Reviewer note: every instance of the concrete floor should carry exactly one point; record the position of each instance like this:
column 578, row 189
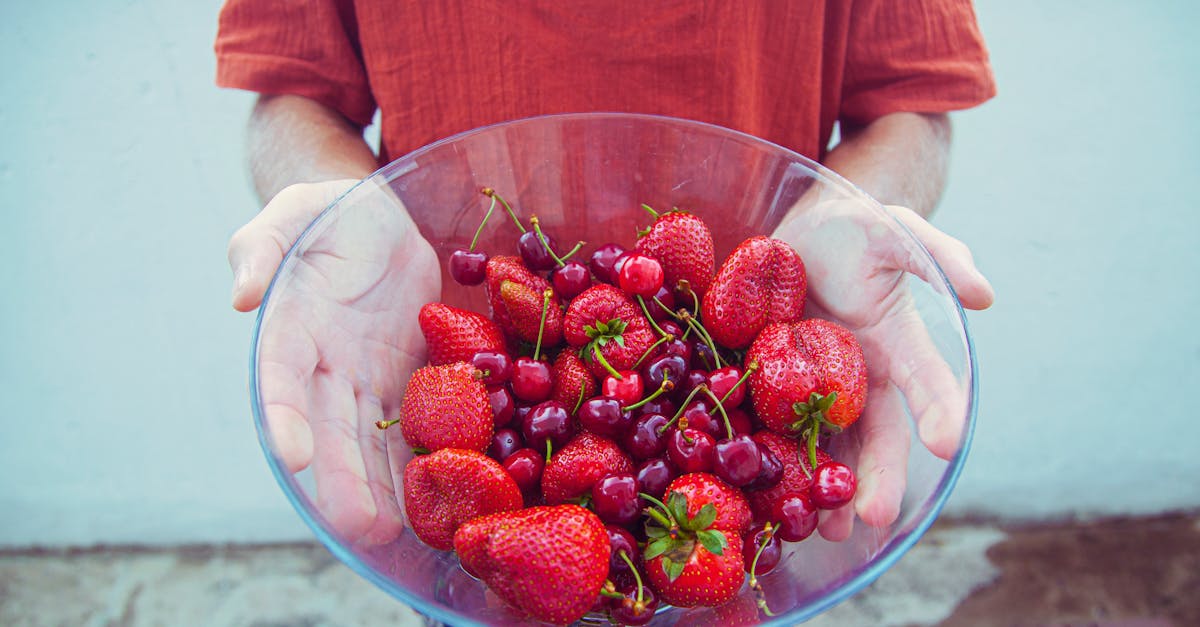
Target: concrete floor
column 1142, row 572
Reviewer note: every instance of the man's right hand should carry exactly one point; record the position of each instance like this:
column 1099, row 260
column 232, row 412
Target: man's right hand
column 339, row 342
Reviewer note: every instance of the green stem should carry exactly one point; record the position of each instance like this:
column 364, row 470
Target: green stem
column 570, row 253
column 653, row 322
column 485, row 219
column 762, row 545
column 487, row 191
column 549, row 449
column 653, row 511
column 651, row 210
column 384, row 424
column 604, row 362
column 649, row 351
column 682, row 408
column 720, row 408
column 582, row 389
column 745, row 375
column 537, row 229
column 636, row 575
column 665, row 386
column 703, row 333
column 537, row 348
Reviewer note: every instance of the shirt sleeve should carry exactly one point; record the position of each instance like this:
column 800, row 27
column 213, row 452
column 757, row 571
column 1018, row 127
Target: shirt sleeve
column 913, row 55
column 305, row 49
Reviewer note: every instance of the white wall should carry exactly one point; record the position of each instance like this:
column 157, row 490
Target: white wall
column 123, row 369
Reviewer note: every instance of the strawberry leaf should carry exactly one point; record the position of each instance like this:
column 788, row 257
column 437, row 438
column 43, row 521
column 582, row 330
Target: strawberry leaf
column 620, row 340
column 704, row 518
column 657, row 547
column 654, row 531
column 713, row 540
column 677, row 506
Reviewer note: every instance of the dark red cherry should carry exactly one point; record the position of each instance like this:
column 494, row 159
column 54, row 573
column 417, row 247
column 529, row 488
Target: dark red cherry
column 615, row 499
column 666, row 367
column 657, row 312
column 647, row 438
column 549, row 421
column 768, row 559
column 654, row 475
column 740, row 421
column 690, row 380
column 640, row 275
column 535, row 256
column 691, row 450
column 496, row 367
column 603, row 262
column 737, row 460
column 503, row 406
column 619, row 539
column 505, row 442
column 627, row 389
column 531, row 380
column 770, row 472
column 468, row 267
column 630, row 611
column 571, row 279
column 724, row 384
column 604, row 416
column 833, row 486
column 661, row 405
column 700, row 417
column 796, row 516
column 525, row 466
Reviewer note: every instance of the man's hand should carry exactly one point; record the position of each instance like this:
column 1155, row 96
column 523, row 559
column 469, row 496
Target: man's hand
column 856, row 264
column 338, row 342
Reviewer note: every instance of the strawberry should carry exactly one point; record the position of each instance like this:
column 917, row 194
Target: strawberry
column 450, row 486
column 810, row 373
column 701, row 488
column 446, row 407
column 518, row 298
column 692, row 556
column 548, row 561
column 762, row 281
column 572, row 381
column 797, row 472
column 454, row 334
column 683, row 245
column 609, row 328
column 584, row 460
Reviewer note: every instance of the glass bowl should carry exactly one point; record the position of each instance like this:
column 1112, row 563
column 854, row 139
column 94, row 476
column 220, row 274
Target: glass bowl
column 585, row 176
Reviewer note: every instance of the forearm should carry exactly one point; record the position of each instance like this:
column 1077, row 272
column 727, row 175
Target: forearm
column 900, row 159
column 296, row 140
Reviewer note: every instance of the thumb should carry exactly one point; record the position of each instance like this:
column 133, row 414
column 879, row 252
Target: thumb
column 257, row 248
column 973, row 289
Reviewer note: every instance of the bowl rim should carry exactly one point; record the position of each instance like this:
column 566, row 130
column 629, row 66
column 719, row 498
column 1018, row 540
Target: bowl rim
column 836, row 593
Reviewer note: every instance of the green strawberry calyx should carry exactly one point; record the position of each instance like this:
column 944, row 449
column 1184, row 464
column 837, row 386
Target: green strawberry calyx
column 811, row 418
column 673, row 535
column 601, row 334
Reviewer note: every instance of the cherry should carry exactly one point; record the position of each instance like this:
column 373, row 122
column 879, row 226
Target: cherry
column 603, row 262
column 640, row 275
column 627, row 389
column 677, row 347
column 503, row 406
column 547, row 422
column 670, row 326
column 691, row 450
column 796, row 515
column 768, row 558
column 531, row 380
column 468, row 267
column 669, row 367
column 701, row 418
column 689, row 382
column 571, row 279
column 505, row 442
column 724, row 384
column 525, row 466
column 833, row 485
column 739, row 421
column 654, row 475
column 619, row 539
column 536, row 256
column 645, row 440
column 604, row 416
column 661, row 405
column 495, row 367
column 615, row 499
column 737, row 460
column 770, row 472
column 657, row 312
column 702, row 355
column 631, row 611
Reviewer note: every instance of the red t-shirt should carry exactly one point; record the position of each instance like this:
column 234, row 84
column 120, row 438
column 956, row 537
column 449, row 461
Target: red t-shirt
column 783, row 71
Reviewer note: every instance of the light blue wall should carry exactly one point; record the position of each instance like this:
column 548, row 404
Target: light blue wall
column 123, row 369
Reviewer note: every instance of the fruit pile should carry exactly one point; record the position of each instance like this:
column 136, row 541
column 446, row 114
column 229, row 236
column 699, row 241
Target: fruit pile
column 637, row 430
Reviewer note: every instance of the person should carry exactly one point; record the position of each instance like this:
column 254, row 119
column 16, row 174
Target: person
column 885, row 73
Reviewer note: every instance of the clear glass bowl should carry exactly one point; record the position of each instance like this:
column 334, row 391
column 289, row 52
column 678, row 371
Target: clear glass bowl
column 585, row 176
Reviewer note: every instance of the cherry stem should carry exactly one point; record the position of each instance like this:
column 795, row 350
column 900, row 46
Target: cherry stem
column 667, row 520
column 745, row 375
column 571, row 253
column 485, row 219
column 650, row 318
column 649, row 351
column 537, row 228
column 604, row 592
column 582, row 389
column 720, row 408
column 762, row 545
column 487, row 191
column 537, row 348
column 636, row 575
column 549, row 449
column 604, row 362
column 665, row 386
column 384, row 424
column 703, row 333
column 651, row 210
column 682, row 408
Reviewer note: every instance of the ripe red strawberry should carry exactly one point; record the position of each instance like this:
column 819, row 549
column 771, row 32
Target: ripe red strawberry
column 690, row 560
column 810, row 373
column 762, row 281
column 701, row 488
column 572, row 381
column 573, row 470
column 450, row 486
column 549, row 562
column 517, row 309
column 682, row 243
column 794, row 458
column 454, row 334
column 446, row 407
column 604, row 320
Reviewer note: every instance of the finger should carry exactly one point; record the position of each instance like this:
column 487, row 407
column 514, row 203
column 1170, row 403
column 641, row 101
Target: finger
column 835, row 525
column 388, row 521
column 914, row 364
column 287, row 358
column 884, row 436
column 256, row 250
column 973, row 289
column 343, row 491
